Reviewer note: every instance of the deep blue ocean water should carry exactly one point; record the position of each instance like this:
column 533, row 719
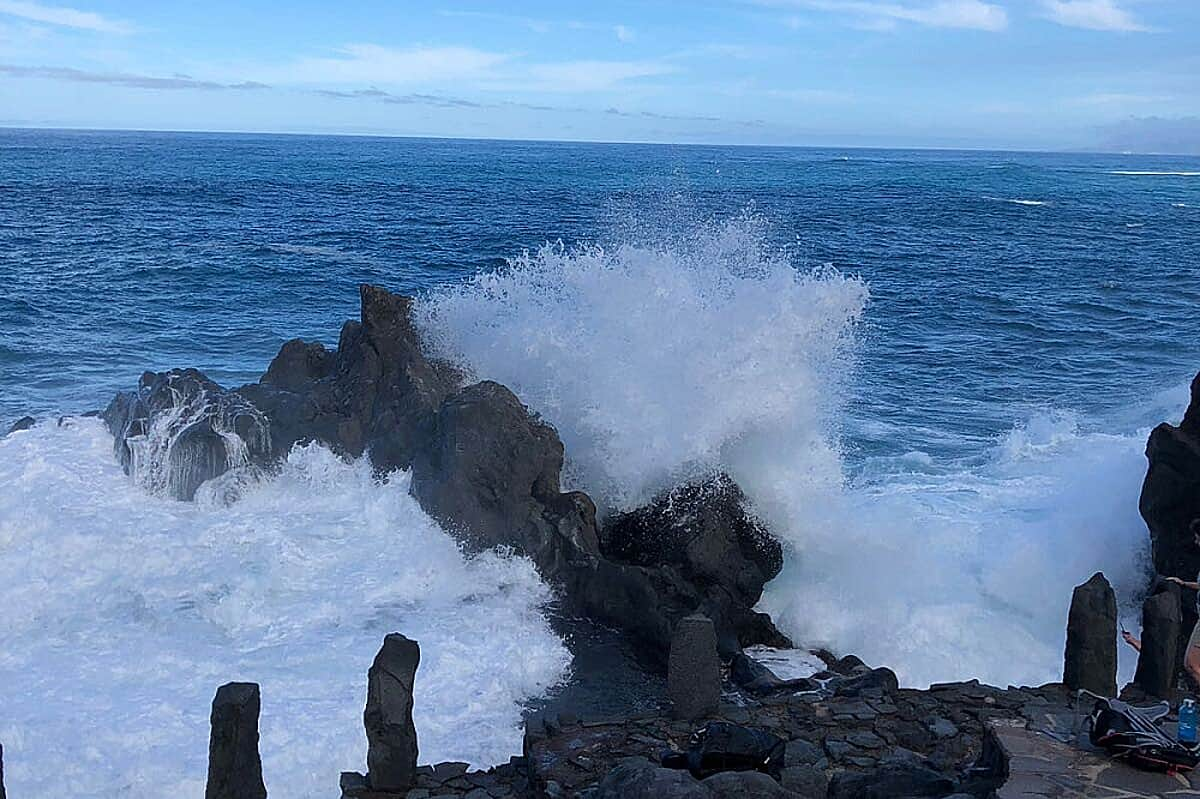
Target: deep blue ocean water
column 942, row 464
column 121, row 252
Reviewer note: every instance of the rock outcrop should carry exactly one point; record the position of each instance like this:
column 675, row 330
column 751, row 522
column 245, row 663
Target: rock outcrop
column 1170, row 498
column 1090, row 660
column 376, row 394
column 703, row 534
column 391, row 735
column 180, row 429
column 234, row 764
column 481, row 463
column 24, row 423
column 1158, row 661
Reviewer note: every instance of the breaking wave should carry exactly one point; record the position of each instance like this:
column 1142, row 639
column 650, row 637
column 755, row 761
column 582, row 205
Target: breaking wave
column 657, row 362
column 125, row 611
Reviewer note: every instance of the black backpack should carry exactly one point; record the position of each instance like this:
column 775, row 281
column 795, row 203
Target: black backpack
column 1132, row 734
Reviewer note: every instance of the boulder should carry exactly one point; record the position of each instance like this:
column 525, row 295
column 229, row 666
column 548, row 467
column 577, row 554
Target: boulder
column 1090, row 660
column 702, row 531
column 890, row 780
column 391, row 735
column 638, row 778
column 234, row 765
column 1158, row 660
column 180, row 430
column 377, row 394
column 24, row 423
column 1170, row 498
column 747, row 785
column 694, row 669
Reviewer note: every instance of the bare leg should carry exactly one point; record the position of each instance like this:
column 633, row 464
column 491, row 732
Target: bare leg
column 1191, row 662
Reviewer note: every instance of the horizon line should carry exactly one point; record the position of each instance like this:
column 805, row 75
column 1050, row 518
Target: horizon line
column 615, row 142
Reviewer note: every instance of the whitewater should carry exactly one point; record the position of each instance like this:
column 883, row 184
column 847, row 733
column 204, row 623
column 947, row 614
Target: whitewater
column 937, row 401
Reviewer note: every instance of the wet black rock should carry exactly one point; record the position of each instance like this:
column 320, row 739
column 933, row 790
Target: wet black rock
column 1170, row 498
column 234, row 765
column 755, row 678
column 391, row 735
column 638, row 778
column 376, row 394
column 1090, row 660
column 24, row 423
column 490, row 473
column 1158, row 660
column 179, row 429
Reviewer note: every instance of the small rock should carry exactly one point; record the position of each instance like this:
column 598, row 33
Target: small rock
column 865, row 740
column 24, row 423
column 746, row 785
column 800, row 752
column 694, row 668
column 444, row 772
column 805, row 780
column 888, row 781
column 942, row 727
column 838, row 749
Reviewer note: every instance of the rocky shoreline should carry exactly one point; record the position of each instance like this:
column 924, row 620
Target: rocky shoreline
column 668, row 589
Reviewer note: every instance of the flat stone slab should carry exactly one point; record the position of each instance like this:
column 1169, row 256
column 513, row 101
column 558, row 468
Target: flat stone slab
column 1044, row 767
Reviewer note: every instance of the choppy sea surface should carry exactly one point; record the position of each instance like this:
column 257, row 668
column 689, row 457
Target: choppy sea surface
column 933, row 373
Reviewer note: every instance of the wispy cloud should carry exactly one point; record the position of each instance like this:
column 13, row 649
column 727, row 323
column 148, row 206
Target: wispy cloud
column 586, row 76
column 1098, row 15
column 123, row 78
column 372, row 63
column 1122, row 99
column 968, row 14
column 63, row 16
column 624, row 33
column 414, row 98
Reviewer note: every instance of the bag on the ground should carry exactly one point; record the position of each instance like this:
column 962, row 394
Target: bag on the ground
column 720, row 746
column 1132, row 734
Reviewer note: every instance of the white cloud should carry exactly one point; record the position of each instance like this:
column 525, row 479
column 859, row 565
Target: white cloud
column 624, row 33
column 970, row 14
column 372, row 63
column 1098, row 15
column 65, row 17
column 585, row 76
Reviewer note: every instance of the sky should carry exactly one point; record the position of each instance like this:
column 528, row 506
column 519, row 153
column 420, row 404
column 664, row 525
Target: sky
column 1020, row 74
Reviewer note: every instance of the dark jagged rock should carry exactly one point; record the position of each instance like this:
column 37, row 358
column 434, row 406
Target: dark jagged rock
column 752, row 676
column 24, row 423
column 703, row 533
column 747, row 785
column 180, row 429
column 1170, row 498
column 234, row 765
column 1158, row 660
column 376, row 394
column 1090, row 660
column 490, row 472
column 694, row 670
column 3, row 795
column 881, row 680
column 391, row 735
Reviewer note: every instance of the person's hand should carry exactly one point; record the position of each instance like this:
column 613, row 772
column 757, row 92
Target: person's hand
column 1175, row 580
column 1128, row 636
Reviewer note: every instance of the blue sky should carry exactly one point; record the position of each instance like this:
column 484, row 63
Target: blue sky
column 1056, row 74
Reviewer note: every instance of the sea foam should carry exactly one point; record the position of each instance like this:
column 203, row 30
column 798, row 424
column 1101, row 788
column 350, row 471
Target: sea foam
column 125, row 611
column 658, row 362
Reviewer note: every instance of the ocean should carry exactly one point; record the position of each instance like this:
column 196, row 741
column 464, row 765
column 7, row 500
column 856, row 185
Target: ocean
column 933, row 373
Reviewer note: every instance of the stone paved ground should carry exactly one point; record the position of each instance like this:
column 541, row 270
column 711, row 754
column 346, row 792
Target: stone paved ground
column 1040, row 766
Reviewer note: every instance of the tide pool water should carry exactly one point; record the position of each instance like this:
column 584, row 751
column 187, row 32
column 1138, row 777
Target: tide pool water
column 932, row 373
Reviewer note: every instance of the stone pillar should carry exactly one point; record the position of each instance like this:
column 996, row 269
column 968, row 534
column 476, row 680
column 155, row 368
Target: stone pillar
column 1158, row 661
column 391, row 735
column 694, row 668
column 1090, row 661
column 2, row 794
column 234, row 766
